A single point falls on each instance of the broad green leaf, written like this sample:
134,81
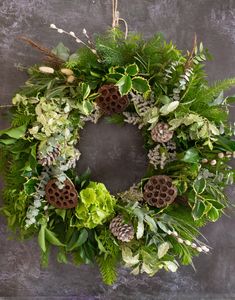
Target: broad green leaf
51,238
191,156
132,70
213,214
169,107
124,85
61,51
15,133
29,186
162,226
163,249
42,239
140,85
61,213
199,185
198,210
82,238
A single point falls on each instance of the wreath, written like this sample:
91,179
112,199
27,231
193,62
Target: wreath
184,121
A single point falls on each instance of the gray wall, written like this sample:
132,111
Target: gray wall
214,22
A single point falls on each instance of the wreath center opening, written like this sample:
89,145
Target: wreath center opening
114,153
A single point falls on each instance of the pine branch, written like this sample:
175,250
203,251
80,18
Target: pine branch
108,269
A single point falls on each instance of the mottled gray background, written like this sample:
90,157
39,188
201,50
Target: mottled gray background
214,22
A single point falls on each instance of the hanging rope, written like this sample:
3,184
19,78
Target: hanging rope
116,18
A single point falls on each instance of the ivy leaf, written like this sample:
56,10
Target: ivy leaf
198,210
199,185
163,249
42,239
51,238
132,69
15,133
216,204
140,85
213,214
169,107
124,85
61,51
191,156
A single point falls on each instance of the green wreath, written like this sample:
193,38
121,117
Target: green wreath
184,121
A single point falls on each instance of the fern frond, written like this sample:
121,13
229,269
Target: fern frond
108,268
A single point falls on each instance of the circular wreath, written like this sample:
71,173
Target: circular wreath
184,121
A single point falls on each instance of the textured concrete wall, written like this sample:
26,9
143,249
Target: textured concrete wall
214,22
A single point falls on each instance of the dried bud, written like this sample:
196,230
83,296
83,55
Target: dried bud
70,79
66,72
46,70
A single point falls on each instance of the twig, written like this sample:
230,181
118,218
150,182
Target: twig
49,55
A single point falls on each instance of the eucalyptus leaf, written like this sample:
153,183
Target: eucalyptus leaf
163,249
169,107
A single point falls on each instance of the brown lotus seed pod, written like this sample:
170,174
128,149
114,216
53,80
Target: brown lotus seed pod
161,133
159,191
110,100
64,198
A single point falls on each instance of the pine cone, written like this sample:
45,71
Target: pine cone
110,100
64,198
159,191
123,232
161,133
50,157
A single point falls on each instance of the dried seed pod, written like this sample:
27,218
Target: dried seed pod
161,133
110,100
159,191
64,198
123,232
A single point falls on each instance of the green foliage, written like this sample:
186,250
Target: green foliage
108,269
162,85
95,207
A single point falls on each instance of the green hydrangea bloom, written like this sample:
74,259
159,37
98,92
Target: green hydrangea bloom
95,206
